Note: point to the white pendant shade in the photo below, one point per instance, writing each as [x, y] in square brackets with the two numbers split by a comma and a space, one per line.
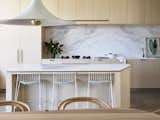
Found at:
[36, 14]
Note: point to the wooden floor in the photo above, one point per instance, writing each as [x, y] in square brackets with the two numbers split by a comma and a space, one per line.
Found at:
[145, 99]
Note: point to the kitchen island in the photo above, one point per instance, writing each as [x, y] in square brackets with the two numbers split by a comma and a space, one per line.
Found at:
[121, 82]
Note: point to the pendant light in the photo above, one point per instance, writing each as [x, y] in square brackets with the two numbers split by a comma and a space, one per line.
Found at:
[36, 14]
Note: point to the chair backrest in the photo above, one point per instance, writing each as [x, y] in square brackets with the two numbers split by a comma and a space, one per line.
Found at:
[22, 106]
[157, 111]
[101, 76]
[64, 77]
[66, 102]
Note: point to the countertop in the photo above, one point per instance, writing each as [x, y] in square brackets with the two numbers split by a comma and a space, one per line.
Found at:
[68, 68]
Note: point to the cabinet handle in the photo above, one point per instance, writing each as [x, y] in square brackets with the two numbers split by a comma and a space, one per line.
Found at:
[18, 56]
[21, 56]
[91, 20]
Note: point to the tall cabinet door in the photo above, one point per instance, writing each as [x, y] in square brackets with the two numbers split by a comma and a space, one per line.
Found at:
[67, 9]
[30, 44]
[136, 11]
[152, 12]
[10, 42]
[9, 8]
[9, 38]
[118, 11]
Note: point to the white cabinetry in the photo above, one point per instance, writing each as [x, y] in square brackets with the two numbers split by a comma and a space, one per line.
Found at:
[30, 45]
[19, 45]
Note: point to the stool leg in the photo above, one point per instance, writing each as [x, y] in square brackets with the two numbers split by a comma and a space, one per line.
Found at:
[75, 87]
[111, 87]
[17, 82]
[40, 103]
[18, 90]
[88, 88]
[53, 91]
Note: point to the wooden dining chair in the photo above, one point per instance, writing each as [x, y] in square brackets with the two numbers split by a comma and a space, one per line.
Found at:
[17, 104]
[157, 111]
[68, 101]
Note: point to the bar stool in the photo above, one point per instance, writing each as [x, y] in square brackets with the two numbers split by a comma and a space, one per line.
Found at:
[45, 91]
[25, 79]
[102, 78]
[62, 80]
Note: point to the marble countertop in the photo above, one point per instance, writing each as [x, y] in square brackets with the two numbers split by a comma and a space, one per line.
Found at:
[68, 68]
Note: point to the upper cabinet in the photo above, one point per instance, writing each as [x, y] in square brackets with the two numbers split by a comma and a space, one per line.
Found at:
[101, 10]
[92, 11]
[136, 11]
[67, 9]
[152, 15]
[118, 13]
[9, 8]
[84, 9]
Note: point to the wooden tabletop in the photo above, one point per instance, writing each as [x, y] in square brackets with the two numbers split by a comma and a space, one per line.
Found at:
[114, 114]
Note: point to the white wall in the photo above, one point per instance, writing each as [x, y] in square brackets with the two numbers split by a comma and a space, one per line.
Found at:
[97, 40]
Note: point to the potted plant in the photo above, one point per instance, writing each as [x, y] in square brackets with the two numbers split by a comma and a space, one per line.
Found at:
[54, 47]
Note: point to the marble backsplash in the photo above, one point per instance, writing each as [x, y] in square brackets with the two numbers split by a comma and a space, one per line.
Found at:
[97, 40]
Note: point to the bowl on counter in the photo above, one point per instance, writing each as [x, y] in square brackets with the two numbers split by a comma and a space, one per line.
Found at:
[76, 57]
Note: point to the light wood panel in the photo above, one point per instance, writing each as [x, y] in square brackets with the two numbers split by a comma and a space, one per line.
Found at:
[152, 15]
[9, 8]
[118, 11]
[67, 9]
[136, 11]
[101, 9]
[84, 9]
[145, 73]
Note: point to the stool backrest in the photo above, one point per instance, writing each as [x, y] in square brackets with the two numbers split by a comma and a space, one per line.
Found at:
[66, 102]
[101, 76]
